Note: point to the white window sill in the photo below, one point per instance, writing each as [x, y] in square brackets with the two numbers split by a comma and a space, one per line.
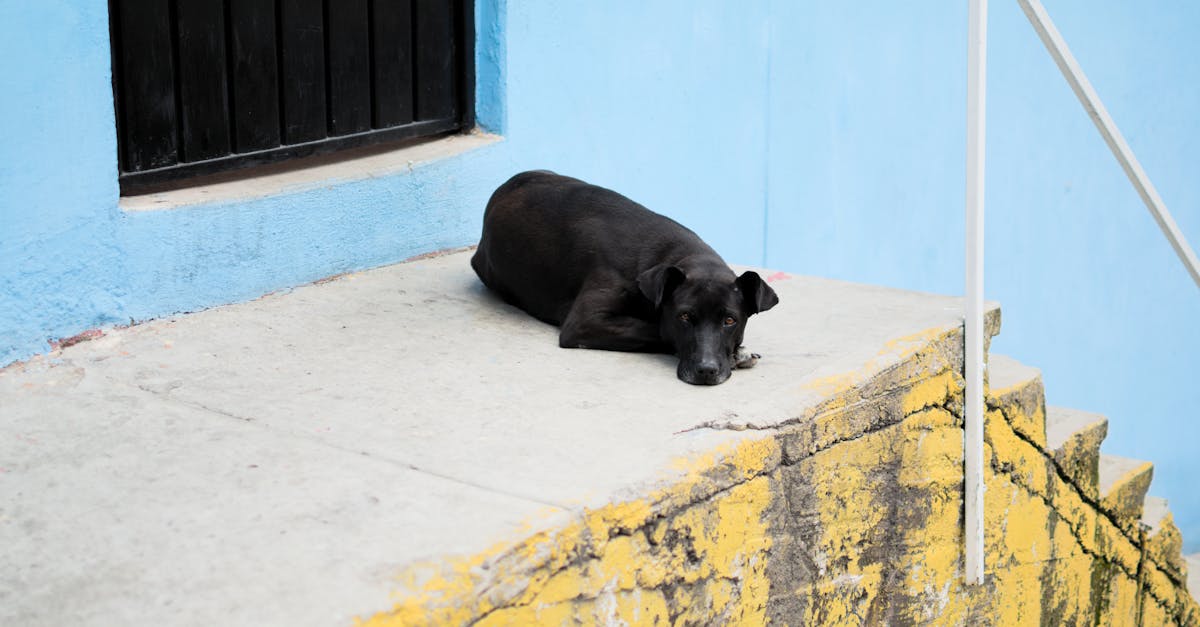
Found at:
[334, 168]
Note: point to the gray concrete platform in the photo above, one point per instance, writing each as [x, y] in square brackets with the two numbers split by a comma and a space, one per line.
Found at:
[279, 462]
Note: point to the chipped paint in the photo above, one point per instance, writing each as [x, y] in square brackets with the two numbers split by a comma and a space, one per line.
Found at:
[850, 516]
[79, 338]
[706, 559]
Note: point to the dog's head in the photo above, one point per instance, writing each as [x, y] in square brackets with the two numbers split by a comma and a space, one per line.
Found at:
[703, 316]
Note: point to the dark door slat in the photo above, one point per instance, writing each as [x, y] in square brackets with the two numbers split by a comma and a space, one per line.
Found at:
[255, 81]
[203, 86]
[204, 102]
[147, 92]
[393, 62]
[349, 67]
[302, 52]
[435, 59]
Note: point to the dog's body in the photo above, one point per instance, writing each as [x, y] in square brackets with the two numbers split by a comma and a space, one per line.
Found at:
[615, 275]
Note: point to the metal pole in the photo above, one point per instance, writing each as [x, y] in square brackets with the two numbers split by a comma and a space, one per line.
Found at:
[973, 330]
[1108, 129]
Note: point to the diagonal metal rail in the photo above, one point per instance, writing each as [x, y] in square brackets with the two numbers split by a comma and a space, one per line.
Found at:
[1108, 130]
[973, 329]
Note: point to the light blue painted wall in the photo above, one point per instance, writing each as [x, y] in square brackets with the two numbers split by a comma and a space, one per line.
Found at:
[70, 259]
[866, 174]
[822, 138]
[1092, 292]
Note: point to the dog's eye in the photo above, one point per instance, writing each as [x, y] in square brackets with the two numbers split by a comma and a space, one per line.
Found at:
[685, 317]
[729, 321]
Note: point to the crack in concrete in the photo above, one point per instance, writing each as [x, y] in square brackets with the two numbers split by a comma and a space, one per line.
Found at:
[934, 350]
[1135, 575]
[729, 425]
[1075, 534]
[1144, 554]
[1005, 469]
[1063, 476]
[1138, 574]
[166, 397]
[1141, 598]
[948, 407]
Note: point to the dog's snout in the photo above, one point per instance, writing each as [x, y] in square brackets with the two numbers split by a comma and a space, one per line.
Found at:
[708, 368]
[704, 371]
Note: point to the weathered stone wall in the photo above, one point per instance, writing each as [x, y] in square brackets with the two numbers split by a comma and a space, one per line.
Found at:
[850, 515]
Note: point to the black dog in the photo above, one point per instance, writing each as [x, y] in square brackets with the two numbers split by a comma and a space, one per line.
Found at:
[616, 276]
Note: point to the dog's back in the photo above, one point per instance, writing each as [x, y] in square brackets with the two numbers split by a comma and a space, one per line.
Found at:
[545, 235]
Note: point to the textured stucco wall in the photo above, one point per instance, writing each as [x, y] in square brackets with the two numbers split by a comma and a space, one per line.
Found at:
[820, 138]
[71, 259]
[58, 216]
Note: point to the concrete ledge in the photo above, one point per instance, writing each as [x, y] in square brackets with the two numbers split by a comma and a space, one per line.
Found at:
[283, 461]
[397, 447]
[347, 165]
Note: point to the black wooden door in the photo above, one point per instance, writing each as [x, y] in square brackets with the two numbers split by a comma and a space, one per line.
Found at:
[203, 86]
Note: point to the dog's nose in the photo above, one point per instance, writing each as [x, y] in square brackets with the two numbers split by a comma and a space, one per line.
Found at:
[707, 369]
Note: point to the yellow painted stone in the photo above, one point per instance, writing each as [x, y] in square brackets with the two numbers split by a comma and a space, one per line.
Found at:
[869, 499]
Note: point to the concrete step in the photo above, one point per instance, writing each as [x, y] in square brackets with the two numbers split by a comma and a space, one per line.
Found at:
[1123, 486]
[400, 435]
[1073, 439]
[1017, 391]
[1163, 541]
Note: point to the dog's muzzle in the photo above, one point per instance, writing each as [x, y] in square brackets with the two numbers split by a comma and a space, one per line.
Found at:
[703, 372]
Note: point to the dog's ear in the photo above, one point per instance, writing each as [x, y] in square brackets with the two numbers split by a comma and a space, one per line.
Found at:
[757, 294]
[658, 281]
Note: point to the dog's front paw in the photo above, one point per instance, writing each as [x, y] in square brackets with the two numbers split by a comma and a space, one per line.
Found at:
[745, 359]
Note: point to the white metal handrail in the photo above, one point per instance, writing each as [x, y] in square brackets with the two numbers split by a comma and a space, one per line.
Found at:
[1108, 130]
[973, 330]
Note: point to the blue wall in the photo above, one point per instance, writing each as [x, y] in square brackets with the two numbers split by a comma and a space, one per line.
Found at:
[822, 138]
[1092, 292]
[866, 184]
[1113, 318]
